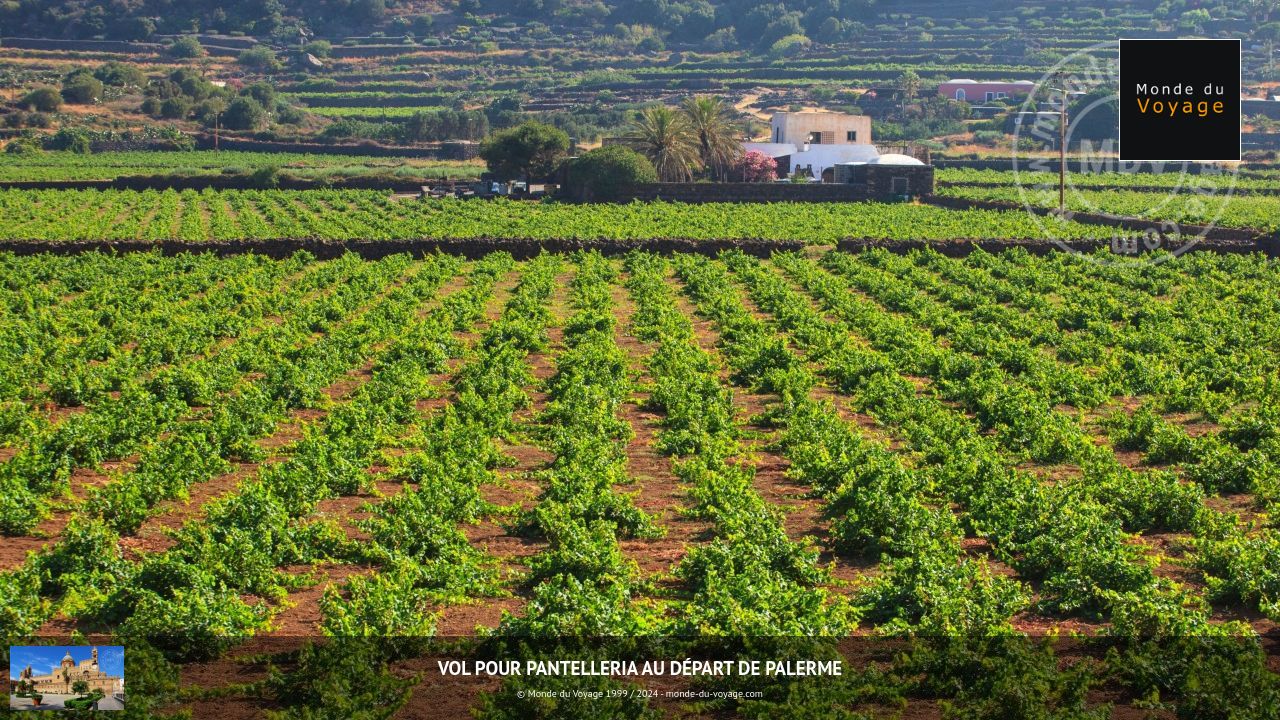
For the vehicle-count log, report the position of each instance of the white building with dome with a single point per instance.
(888, 175)
(817, 145)
(810, 142)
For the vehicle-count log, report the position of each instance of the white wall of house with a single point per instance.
(816, 157)
(819, 128)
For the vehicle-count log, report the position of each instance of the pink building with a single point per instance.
(974, 91)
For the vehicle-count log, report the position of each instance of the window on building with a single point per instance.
(851, 135)
(815, 138)
(960, 94)
(900, 186)
(990, 96)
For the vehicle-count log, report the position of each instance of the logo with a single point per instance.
(1180, 100)
(1151, 197)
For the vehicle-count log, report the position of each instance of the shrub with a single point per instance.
(43, 99)
(244, 113)
(604, 173)
(82, 90)
(186, 47)
(651, 44)
(319, 48)
(788, 45)
(260, 58)
(120, 74)
(208, 110)
(756, 167)
(290, 115)
(72, 140)
(80, 703)
(22, 118)
(262, 92)
(265, 177)
(23, 146)
(175, 108)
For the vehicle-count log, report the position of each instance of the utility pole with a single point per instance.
(1062, 143)
(1062, 157)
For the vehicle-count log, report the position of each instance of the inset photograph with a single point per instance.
(66, 677)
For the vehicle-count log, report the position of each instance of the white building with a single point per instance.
(816, 141)
(881, 176)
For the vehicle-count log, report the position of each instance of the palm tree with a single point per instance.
(908, 86)
(664, 136)
(714, 132)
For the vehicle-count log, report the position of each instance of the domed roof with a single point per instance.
(895, 159)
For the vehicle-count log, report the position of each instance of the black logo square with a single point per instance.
(1179, 100)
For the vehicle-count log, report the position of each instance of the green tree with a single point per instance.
(908, 85)
(244, 113)
(605, 173)
(715, 133)
(175, 108)
(209, 111)
(43, 99)
(830, 30)
(1094, 116)
(529, 150)
(186, 47)
(263, 92)
(191, 83)
(137, 28)
(80, 687)
(664, 136)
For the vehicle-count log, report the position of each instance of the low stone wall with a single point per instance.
(1267, 108)
(1076, 185)
(122, 46)
(1117, 221)
(437, 151)
(520, 248)
(746, 192)
(224, 182)
(1074, 166)
(1260, 141)
(110, 46)
(409, 99)
(961, 247)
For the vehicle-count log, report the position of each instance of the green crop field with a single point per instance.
(203, 452)
(1213, 204)
(59, 215)
(53, 166)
